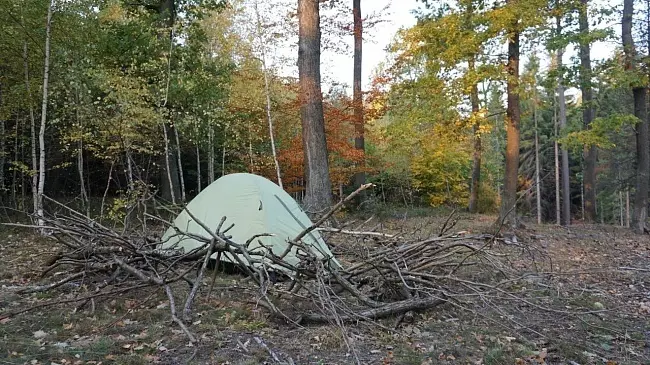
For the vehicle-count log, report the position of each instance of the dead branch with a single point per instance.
(187, 309)
(356, 233)
(376, 313)
(404, 276)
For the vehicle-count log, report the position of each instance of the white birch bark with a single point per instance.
(180, 165)
(267, 91)
(41, 133)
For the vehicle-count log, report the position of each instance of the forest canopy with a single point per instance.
(163, 97)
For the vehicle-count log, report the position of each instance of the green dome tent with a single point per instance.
(255, 206)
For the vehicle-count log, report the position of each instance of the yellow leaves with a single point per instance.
(113, 13)
(441, 171)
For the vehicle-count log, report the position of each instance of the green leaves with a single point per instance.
(600, 134)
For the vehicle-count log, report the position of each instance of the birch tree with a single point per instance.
(41, 133)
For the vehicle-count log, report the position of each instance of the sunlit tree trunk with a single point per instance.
(41, 133)
(513, 116)
(318, 196)
(267, 91)
(357, 95)
(590, 152)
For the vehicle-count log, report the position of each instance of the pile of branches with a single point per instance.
(395, 277)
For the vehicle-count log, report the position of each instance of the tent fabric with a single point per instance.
(255, 205)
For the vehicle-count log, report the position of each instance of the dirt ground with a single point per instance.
(583, 297)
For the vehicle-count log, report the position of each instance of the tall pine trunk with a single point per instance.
(41, 133)
(357, 95)
(640, 213)
(318, 197)
(508, 213)
(476, 158)
(590, 152)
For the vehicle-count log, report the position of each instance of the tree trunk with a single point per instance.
(556, 150)
(590, 152)
(627, 208)
(640, 213)
(34, 171)
(198, 169)
(108, 186)
(3, 156)
(476, 129)
(211, 156)
(643, 160)
(41, 133)
(250, 150)
(80, 158)
(168, 170)
(171, 190)
(621, 208)
(14, 179)
(267, 91)
(223, 153)
(566, 182)
(538, 181)
(318, 197)
(513, 116)
(357, 96)
(181, 176)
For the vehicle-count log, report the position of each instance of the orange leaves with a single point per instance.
(344, 159)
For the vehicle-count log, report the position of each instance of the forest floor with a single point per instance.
(589, 290)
